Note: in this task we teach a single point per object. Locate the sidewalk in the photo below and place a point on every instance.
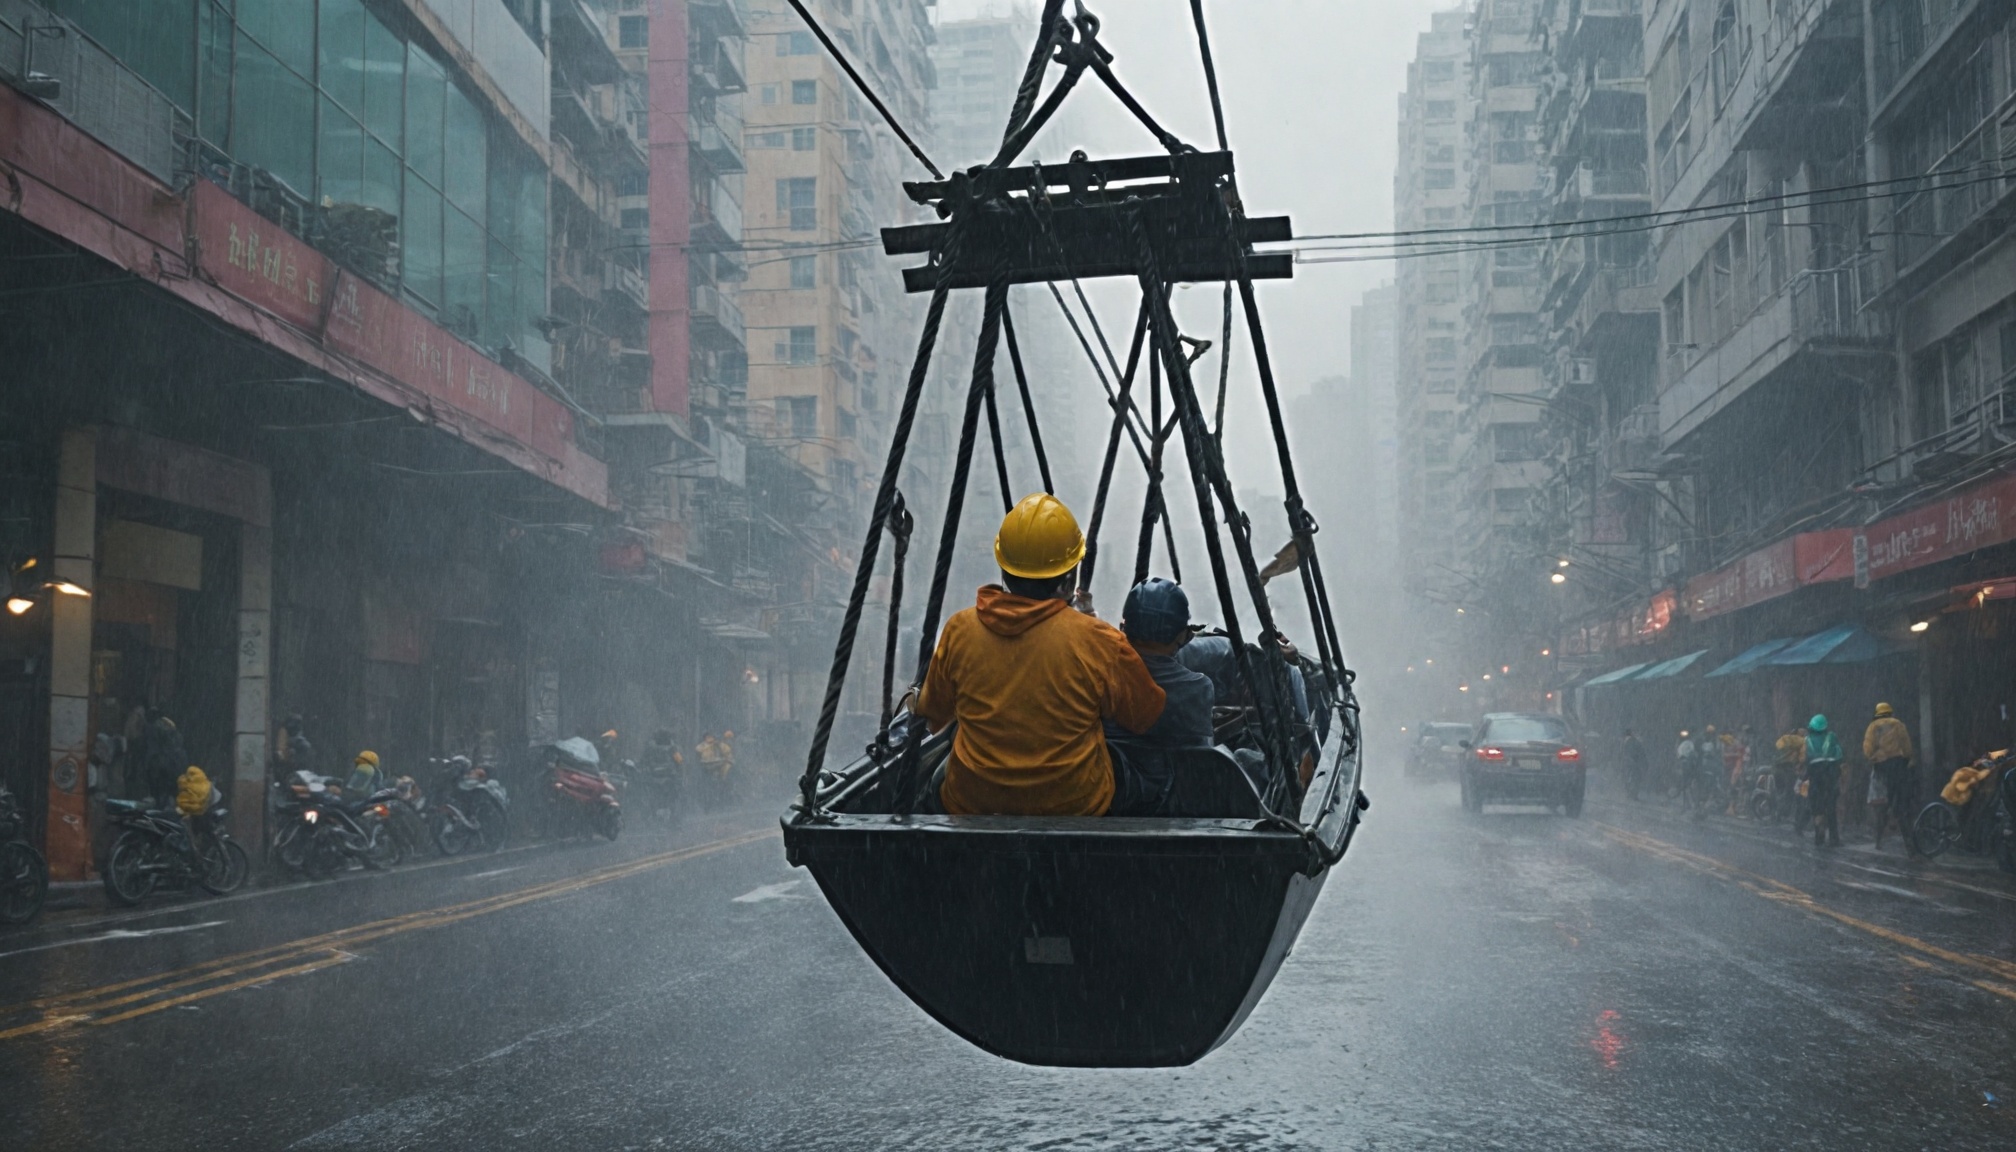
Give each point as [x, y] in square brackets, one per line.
[1857, 844]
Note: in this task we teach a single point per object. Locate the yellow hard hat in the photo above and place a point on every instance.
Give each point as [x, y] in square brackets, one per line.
[1039, 539]
[1885, 710]
[367, 757]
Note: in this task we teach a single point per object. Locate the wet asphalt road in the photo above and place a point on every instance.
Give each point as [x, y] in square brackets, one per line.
[1628, 980]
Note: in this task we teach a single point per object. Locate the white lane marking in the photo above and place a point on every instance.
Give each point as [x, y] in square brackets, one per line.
[769, 892]
[1890, 888]
[116, 934]
[494, 872]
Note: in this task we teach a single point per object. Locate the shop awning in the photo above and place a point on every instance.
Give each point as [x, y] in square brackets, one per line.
[1842, 644]
[1673, 667]
[1750, 658]
[1618, 674]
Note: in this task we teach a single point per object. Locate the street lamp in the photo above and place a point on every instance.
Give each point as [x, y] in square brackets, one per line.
[19, 605]
[1921, 626]
[67, 588]
[1558, 578]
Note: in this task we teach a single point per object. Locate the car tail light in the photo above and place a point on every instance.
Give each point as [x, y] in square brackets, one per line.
[383, 812]
[1490, 753]
[1568, 754]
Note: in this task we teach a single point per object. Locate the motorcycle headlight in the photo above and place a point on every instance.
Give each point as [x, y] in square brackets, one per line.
[309, 816]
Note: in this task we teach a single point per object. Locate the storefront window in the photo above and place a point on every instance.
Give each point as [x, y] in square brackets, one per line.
[273, 117]
[420, 244]
[324, 95]
[464, 262]
[286, 28]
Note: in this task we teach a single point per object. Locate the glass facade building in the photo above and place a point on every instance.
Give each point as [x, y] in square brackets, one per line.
[346, 103]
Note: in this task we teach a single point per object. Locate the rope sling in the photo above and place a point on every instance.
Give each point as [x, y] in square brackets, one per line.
[974, 208]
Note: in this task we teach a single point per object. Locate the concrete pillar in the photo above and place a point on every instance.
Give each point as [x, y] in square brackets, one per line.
[68, 841]
[252, 721]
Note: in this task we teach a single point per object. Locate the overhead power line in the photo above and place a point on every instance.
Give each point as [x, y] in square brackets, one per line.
[1670, 216]
[847, 66]
[1597, 228]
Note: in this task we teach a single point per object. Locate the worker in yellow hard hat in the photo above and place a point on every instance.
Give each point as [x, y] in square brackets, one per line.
[1886, 745]
[363, 775]
[1030, 681]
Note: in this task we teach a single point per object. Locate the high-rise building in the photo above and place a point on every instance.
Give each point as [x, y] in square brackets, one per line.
[1374, 345]
[1430, 185]
[1600, 314]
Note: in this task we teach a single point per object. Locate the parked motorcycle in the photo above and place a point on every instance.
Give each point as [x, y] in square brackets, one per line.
[318, 834]
[469, 809]
[155, 847]
[579, 795]
[24, 875]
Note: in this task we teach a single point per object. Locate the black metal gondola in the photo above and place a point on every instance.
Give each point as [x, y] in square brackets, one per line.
[1118, 942]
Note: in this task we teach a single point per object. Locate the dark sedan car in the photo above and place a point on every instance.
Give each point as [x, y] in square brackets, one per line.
[1523, 758]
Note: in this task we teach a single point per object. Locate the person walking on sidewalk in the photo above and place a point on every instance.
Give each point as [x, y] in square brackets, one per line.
[1823, 782]
[1634, 764]
[1886, 744]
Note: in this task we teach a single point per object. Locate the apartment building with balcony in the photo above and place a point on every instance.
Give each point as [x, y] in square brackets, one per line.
[828, 332]
[1599, 313]
[1500, 396]
[1431, 185]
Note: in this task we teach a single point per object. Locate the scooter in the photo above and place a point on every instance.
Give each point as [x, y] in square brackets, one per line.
[579, 794]
[470, 809]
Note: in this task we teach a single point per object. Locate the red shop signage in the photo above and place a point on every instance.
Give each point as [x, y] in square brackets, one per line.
[1982, 516]
[260, 262]
[1772, 571]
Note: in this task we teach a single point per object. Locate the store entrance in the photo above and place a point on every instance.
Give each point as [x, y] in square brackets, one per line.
[163, 642]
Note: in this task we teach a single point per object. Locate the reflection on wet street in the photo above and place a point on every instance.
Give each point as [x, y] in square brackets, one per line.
[1515, 980]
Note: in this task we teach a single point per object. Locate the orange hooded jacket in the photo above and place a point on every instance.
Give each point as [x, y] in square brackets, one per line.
[1029, 682]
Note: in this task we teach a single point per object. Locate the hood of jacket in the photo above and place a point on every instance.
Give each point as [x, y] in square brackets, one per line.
[1006, 614]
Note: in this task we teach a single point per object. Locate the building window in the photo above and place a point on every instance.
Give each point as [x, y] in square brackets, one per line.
[767, 93]
[804, 271]
[1441, 350]
[766, 140]
[850, 427]
[798, 202]
[800, 347]
[1441, 110]
[804, 139]
[1725, 57]
[633, 31]
[635, 182]
[804, 92]
[1435, 178]
[803, 412]
[1516, 443]
[796, 44]
[1438, 71]
[636, 219]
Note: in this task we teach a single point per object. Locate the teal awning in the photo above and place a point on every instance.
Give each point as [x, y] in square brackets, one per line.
[1616, 675]
[1750, 658]
[1671, 667]
[1842, 644]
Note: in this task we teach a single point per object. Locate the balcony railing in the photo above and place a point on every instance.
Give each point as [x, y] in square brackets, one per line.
[90, 87]
[720, 148]
[712, 306]
[1827, 305]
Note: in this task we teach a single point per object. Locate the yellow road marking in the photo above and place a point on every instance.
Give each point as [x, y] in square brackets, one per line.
[312, 953]
[1783, 893]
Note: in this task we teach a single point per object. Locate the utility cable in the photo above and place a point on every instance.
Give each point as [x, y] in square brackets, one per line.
[847, 66]
[1665, 214]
